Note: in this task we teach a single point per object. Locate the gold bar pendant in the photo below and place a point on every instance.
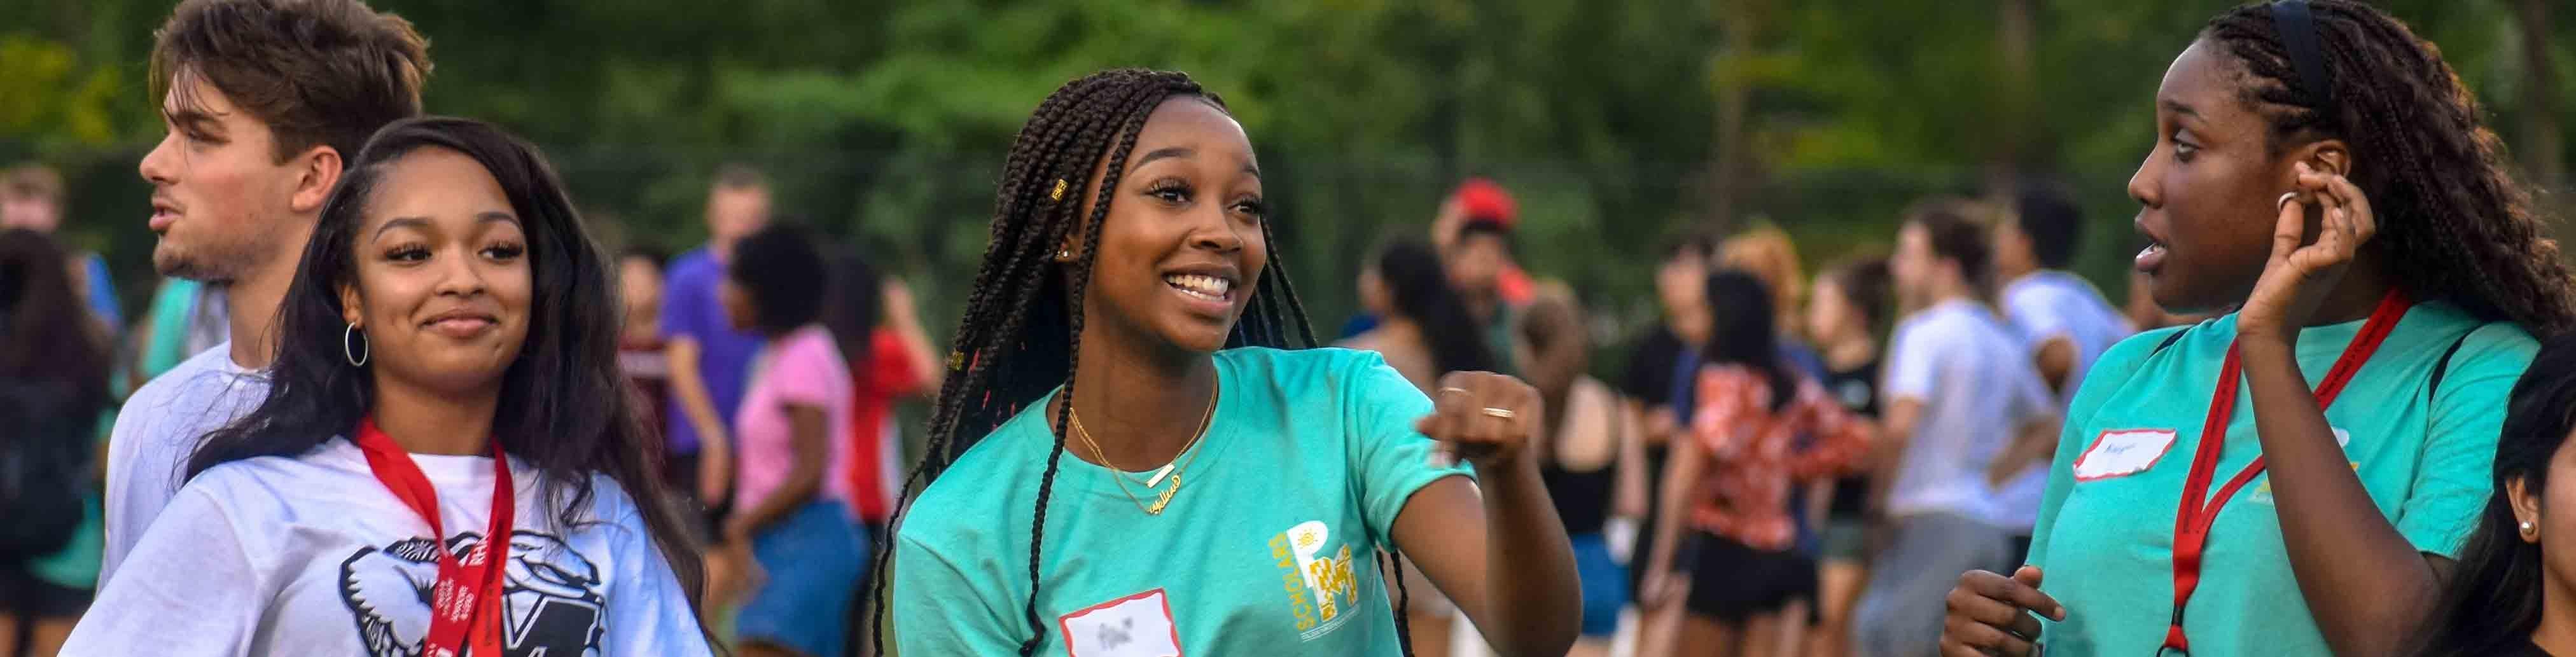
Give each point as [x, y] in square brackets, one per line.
[1166, 498]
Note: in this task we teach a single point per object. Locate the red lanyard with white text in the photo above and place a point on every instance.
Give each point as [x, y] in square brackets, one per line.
[468, 591]
[2192, 519]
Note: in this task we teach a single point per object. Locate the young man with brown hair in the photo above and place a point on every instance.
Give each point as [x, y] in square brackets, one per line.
[264, 101]
[1961, 405]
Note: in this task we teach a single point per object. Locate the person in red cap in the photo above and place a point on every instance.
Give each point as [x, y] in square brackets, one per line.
[1474, 236]
[1481, 208]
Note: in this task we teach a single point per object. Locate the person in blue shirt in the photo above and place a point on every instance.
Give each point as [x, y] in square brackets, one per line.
[1124, 461]
[2295, 477]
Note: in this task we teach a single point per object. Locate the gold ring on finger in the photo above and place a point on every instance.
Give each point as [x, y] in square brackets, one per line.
[1461, 391]
[1503, 413]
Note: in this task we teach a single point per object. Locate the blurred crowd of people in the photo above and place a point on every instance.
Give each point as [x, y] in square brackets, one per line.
[1785, 464]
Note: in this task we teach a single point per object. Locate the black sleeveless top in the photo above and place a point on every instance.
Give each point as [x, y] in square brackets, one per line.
[1582, 498]
[1857, 389]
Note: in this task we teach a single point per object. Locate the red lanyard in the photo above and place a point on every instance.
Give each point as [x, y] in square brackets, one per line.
[2192, 519]
[456, 608]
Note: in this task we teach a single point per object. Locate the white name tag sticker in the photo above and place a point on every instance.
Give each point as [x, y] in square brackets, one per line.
[2123, 452]
[1139, 625]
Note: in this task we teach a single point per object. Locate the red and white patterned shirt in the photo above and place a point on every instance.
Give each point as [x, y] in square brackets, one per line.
[1753, 454]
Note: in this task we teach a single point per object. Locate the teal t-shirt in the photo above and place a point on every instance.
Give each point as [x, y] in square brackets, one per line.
[1269, 550]
[2105, 536]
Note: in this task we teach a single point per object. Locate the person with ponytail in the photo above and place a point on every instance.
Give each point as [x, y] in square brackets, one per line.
[1129, 456]
[2296, 476]
[447, 458]
[2499, 601]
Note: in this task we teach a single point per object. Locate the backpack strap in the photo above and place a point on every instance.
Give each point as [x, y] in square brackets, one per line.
[2171, 339]
[2443, 366]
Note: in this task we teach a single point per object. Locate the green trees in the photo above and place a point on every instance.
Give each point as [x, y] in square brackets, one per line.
[1617, 123]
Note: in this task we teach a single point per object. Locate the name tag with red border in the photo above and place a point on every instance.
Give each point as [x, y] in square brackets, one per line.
[2123, 452]
[1139, 625]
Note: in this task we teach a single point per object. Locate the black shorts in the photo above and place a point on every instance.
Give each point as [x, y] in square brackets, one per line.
[1731, 581]
[23, 594]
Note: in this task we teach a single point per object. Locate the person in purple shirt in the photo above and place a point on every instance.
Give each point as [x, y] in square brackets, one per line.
[709, 360]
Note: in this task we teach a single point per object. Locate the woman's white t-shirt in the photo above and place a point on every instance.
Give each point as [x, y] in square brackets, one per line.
[311, 555]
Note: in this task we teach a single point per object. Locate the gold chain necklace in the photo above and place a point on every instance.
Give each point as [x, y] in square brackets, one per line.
[1120, 475]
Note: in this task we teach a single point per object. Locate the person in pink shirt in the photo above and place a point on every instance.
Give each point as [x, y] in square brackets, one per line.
[788, 509]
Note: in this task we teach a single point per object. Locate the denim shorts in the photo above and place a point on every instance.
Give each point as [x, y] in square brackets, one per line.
[814, 558]
[1605, 585]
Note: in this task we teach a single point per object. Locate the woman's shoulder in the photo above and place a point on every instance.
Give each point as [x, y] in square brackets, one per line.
[1300, 358]
[965, 510]
[997, 463]
[1291, 367]
[1588, 390]
[610, 502]
[2480, 341]
[2146, 344]
[813, 342]
[1731, 377]
[611, 511]
[265, 486]
[332, 455]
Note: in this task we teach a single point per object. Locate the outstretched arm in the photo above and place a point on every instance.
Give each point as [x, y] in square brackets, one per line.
[1502, 555]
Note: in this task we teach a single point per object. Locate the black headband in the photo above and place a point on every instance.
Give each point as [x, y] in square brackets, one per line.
[2298, 31]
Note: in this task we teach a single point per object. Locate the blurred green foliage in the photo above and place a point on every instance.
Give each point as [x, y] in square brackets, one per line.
[885, 122]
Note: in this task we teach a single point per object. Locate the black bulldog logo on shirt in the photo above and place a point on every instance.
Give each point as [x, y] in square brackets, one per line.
[552, 605]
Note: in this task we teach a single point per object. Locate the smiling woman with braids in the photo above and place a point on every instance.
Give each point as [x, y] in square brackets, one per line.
[2323, 172]
[1204, 491]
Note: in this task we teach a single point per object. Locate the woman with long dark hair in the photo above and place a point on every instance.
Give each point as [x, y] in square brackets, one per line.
[2497, 603]
[2296, 476]
[890, 358]
[447, 457]
[1414, 283]
[1126, 461]
[1729, 481]
[1421, 302]
[53, 384]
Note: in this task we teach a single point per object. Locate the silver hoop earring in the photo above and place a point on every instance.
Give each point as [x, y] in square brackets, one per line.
[354, 346]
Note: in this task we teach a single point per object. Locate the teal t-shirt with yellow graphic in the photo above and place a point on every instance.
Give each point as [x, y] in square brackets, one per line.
[1267, 550]
[2106, 528]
